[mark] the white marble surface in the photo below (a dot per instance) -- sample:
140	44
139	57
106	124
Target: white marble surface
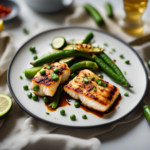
131	136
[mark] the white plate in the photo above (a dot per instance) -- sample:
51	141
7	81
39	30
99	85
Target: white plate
136	75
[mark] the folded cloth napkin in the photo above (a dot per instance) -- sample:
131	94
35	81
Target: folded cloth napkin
20	131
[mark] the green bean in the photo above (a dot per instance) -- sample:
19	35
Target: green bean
146	110
95	14
109	71
57	97
114	67
109	10
83	64
31	72
88	38
58	55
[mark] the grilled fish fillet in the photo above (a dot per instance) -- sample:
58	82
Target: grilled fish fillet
100	100
47	86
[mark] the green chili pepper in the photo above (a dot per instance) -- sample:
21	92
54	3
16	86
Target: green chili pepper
58	55
83	64
94	88
88	38
148	62
109	10
109	71
146	110
114	67
95	14
57	97
31	72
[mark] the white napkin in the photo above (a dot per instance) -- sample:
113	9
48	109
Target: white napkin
20	131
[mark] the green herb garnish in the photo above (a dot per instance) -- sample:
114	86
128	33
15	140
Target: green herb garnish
20	77
125	72
105	44
121	56
100	75
94	89
47	113
113	50
127	62
126	94
25	31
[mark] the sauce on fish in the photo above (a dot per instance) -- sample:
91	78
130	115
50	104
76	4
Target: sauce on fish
65	102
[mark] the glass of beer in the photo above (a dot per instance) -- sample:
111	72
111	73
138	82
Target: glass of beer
132	23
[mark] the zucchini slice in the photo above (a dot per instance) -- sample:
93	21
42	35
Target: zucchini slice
59	42
85	47
66	60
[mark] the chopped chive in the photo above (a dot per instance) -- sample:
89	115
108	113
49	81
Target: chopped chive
92	78
94	89
127	61
20	77
125	72
47	113
126	94
104	84
105	44
121	56
99	82
101	76
113	50
25	31
85	80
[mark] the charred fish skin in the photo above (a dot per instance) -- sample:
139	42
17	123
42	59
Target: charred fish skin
48	86
91	94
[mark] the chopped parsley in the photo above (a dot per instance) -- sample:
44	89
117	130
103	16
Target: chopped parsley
25	31
121	56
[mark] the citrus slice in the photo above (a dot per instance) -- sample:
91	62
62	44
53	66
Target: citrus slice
5	105
1	25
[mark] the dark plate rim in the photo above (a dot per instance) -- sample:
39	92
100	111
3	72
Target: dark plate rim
73	27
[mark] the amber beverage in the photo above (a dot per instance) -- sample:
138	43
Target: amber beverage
134	10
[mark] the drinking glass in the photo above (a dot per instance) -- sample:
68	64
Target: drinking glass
132	23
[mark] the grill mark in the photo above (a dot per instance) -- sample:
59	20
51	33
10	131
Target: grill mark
112	92
109	97
78	90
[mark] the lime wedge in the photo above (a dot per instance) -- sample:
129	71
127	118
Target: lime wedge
1	25
5	105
